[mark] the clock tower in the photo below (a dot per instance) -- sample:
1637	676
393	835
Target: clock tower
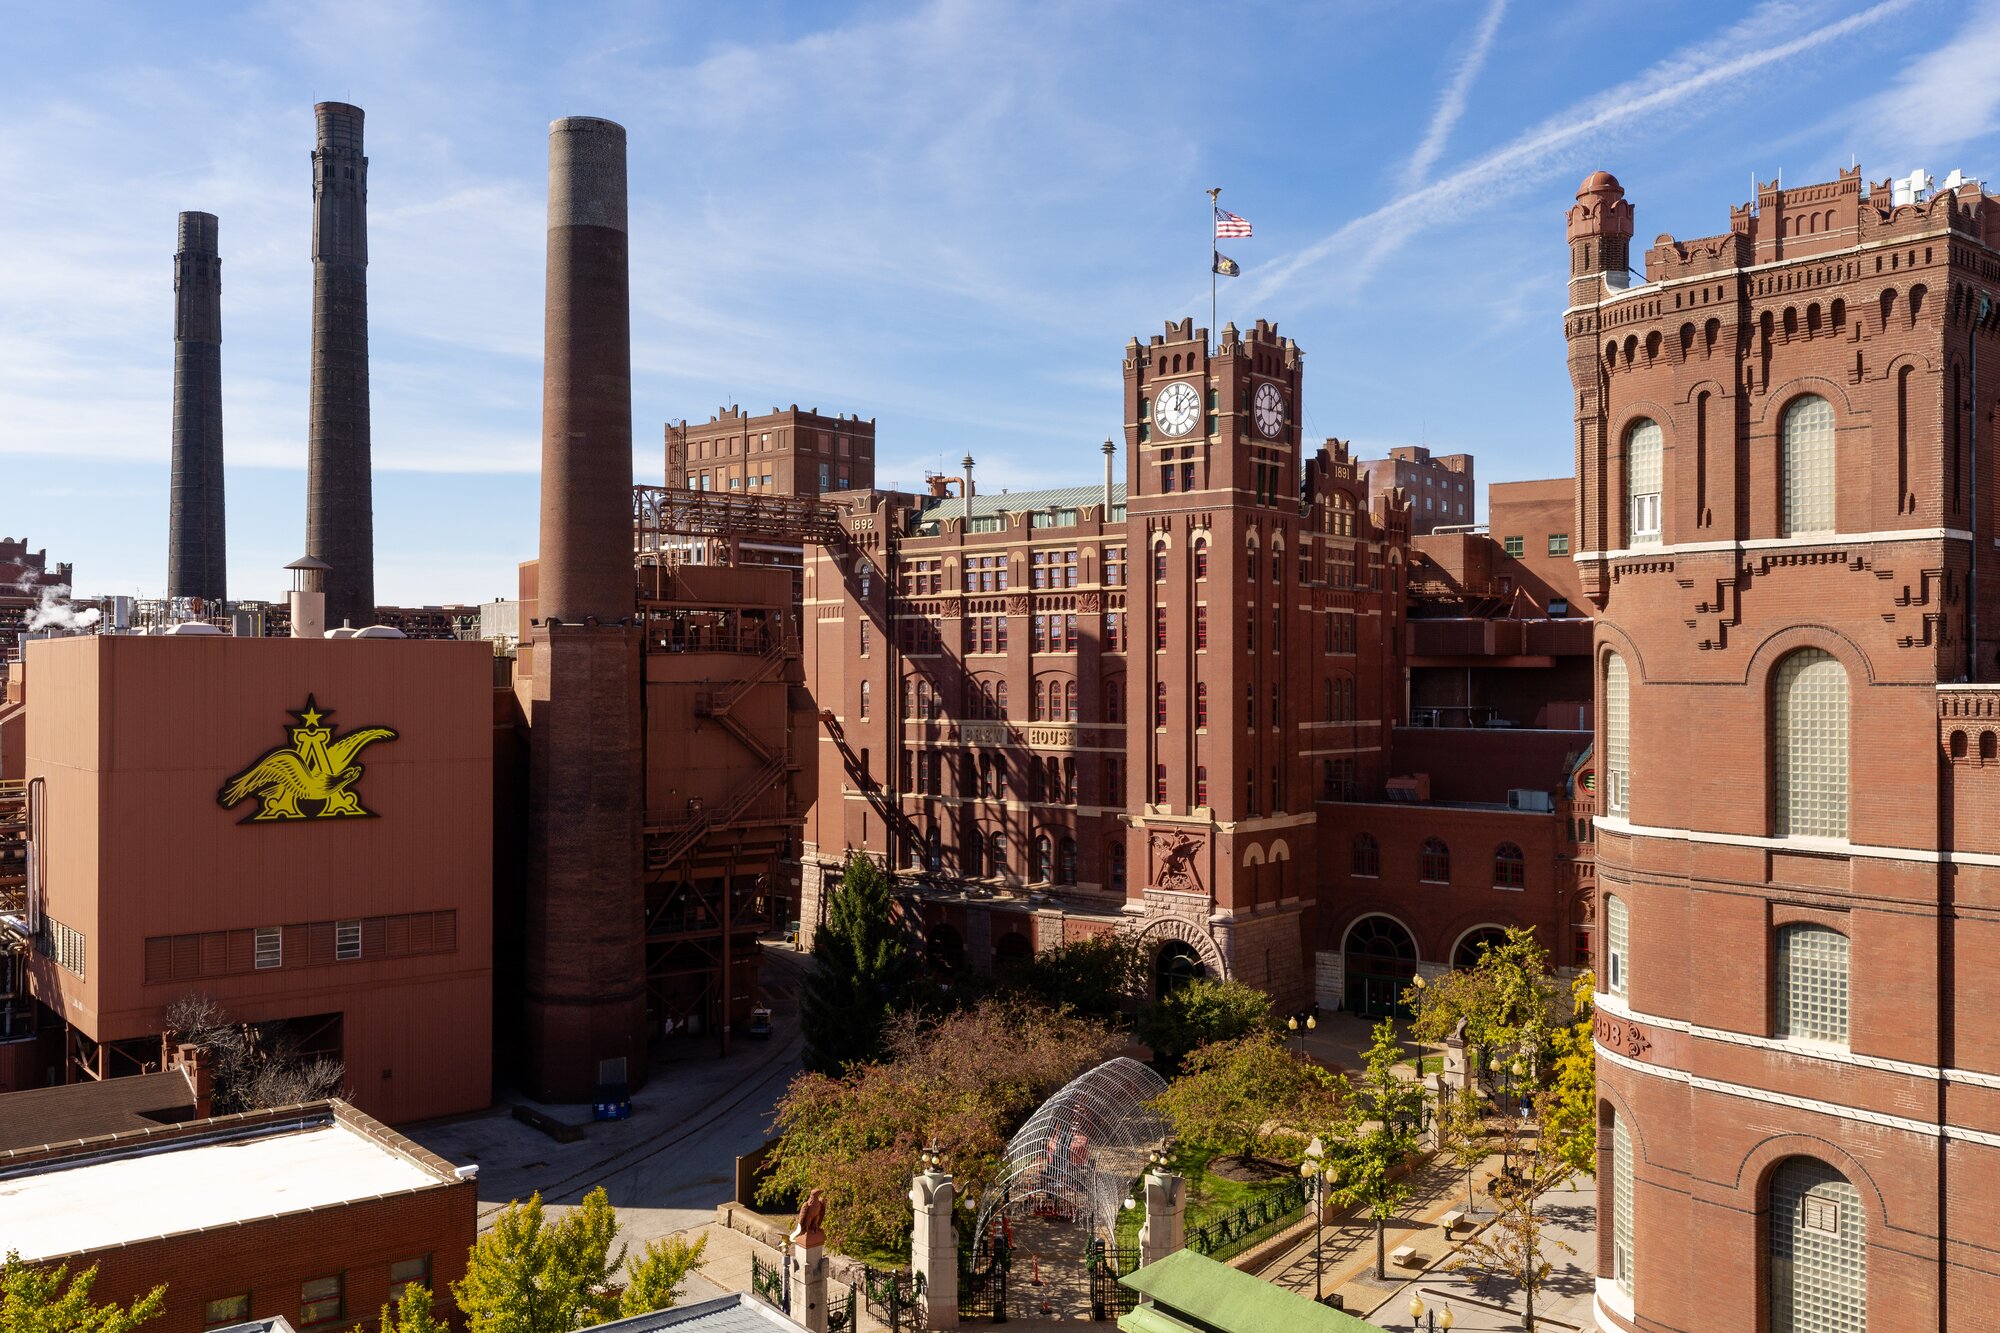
1223	830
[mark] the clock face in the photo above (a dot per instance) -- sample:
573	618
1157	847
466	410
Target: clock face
1177	408
1268	406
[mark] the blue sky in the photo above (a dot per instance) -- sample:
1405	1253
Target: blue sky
947	215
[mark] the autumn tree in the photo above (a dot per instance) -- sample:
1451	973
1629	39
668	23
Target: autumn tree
1094	975
861	965
965	1078
1245	1097
414	1313
1374	1137
659	1273
1516	1247
1568	1108
1201	1012
533	1275
36	1298
1508	999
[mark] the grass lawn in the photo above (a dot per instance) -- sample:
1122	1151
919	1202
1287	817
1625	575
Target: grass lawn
1209	1195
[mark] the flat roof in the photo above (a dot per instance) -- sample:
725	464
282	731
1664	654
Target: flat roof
141	1190
63	1114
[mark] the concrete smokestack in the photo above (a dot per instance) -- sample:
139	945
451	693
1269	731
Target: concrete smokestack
340	506
584	1000
197	563
586	561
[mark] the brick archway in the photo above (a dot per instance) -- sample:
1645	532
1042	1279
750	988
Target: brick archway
1164	929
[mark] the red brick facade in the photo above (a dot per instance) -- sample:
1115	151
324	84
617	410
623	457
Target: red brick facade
1774	479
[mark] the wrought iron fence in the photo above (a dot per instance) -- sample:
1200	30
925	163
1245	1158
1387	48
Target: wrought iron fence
840	1312
1110	1298
982	1288
767	1281
892	1296
1233	1232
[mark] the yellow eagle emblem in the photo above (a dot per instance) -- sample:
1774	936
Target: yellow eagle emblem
315	768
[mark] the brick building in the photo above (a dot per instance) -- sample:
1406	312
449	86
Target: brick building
1440	489
314	1213
24	575
1070	711
1781	437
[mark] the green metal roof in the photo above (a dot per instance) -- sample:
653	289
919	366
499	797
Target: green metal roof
1219	1297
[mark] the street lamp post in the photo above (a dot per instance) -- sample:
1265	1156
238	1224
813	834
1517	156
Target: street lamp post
1298	1025
1313	1168
1440	1318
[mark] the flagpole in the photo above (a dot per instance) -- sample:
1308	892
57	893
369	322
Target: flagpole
1214	256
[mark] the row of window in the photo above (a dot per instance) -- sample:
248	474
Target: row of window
1518	546
1805	473
216	953
984	775
1809	743
322	1300
1510	865
62	943
1052	860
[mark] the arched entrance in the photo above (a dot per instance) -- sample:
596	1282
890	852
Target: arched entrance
1380	959
1012	952
1475	942
1174	966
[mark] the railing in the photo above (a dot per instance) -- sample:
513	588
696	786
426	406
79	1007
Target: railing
982	1291
14	848
1110	1298
661	511
768	1283
1236	1231
667	844
894	1296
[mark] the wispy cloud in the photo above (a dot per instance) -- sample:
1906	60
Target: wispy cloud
1451	105
1770	36
1941	101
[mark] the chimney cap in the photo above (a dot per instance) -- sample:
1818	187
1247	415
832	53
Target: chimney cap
308	562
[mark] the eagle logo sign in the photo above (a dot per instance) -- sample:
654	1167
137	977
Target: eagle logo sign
315	769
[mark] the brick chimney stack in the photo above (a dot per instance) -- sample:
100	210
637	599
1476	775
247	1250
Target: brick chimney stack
197	564
340	505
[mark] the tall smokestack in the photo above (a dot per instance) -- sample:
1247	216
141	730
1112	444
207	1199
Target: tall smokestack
340	513
197	564
584	1001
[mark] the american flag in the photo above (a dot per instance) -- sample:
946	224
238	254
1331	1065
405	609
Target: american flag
1228	224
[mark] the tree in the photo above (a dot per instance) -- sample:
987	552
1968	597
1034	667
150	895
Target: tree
253	1066
1242	1098
1508	999
1515	1245
1095	975
1568	1109
413	1314
965	1078
531	1275
861	966
36	1299
1200	1012
659	1274
1461	1119
1373	1140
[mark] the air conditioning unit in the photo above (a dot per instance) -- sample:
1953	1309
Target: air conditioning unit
1528	798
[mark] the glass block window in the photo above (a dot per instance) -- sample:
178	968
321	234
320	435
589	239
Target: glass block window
1642	481
1808	466
1818	1258
1809	749
1812	983
1621	1205
1616	960
1617	737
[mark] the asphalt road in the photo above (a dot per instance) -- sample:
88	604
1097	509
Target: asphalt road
668	1166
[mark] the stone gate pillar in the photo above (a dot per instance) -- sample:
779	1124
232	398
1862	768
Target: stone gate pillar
1165	1227
934	1246
807	1258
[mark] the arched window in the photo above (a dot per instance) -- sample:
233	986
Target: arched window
1069	701
1808	466
1809	746
867	689
1435	863
1044	863
996	853
1642	481
1201	558
934	850
1114	699
1000	699
1160	704
1475	944
1326	701
1367	856
1066	861
1621	1204
1117	860
1343	515
1818	1250
1617	738
1617	961
969	858
1159	564
1510	867
1812	983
